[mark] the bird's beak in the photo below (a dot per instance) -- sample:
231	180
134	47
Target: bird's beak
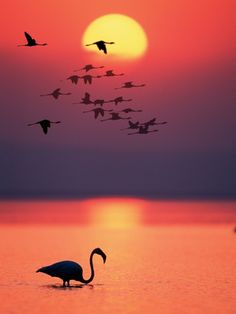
104	257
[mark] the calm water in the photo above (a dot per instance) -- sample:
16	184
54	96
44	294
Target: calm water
162	257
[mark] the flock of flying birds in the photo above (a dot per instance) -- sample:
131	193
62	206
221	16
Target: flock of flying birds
140	128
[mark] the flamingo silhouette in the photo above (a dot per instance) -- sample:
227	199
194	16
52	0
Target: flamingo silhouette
69	270
153	122
115	116
130	85
127	110
88	78
85	100
31	41
143	130
97	112
132	125
89	67
74	79
100	102
111	73
45	124
56	93
119	99
101	44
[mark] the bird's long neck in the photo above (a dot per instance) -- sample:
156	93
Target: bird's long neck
86	281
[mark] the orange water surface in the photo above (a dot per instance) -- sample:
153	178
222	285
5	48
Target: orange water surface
162	257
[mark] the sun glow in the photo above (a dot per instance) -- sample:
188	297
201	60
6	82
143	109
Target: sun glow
128	35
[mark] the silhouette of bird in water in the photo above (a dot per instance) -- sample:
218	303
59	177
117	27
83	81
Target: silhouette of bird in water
116	116
56	93
69	270
119	99
132	125
85	100
130	85
45	124
31	41
101	44
143	130
110	73
88	78
127	110
97	112
74	79
153	122
89	67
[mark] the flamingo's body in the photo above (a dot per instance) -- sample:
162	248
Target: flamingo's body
56	93
101	44
74	79
69	270
115	116
110	73
31	41
143	130
85	100
132	125
130	85
45	124
153	122
89	67
119	99
97	112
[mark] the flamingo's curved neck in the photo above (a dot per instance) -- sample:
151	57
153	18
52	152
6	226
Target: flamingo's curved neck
86	281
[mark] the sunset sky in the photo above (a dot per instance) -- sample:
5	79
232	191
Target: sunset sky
188	72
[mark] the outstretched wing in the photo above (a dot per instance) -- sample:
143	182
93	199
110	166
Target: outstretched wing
29	38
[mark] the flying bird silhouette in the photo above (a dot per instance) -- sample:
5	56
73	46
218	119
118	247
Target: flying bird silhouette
119	99
101	44
130	85
97	112
127	110
85	100
31	41
56	93
153	122
110	73
88	78
100	102
69	270
143	130
115	116
74	79
132	125
45	124
89	67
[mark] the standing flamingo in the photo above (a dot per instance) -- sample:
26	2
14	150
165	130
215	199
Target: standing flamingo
45	124
69	270
101	44
56	93
31	41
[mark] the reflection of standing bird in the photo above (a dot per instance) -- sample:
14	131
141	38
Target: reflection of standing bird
143	130
127	110
45	124
89	67
153	122
31	42
69	270
130	85
132	125
111	73
88	78
119	99
74	79
115	116
101	44
97	112
56	93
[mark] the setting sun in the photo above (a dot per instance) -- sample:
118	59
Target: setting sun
128	35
